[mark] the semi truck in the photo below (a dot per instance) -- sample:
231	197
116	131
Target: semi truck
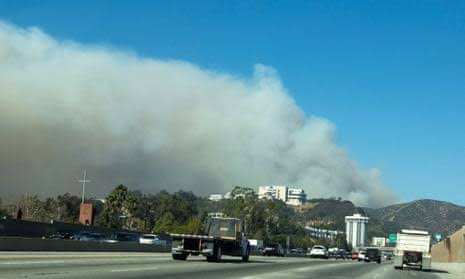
221	236
413	249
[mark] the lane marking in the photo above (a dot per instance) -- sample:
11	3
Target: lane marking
32	262
134	269
305	268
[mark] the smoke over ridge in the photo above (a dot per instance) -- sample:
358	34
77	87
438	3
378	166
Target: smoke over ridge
155	124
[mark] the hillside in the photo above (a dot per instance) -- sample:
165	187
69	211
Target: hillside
431	215
328	213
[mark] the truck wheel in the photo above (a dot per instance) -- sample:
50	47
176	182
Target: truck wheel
218	254
216	257
179	257
245	258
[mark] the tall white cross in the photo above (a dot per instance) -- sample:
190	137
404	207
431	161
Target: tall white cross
84	181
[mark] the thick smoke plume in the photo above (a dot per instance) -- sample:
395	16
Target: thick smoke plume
156	124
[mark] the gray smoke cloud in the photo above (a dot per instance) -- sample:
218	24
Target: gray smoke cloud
156	124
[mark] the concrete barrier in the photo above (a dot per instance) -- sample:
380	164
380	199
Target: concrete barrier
451	249
37	244
25	228
450	267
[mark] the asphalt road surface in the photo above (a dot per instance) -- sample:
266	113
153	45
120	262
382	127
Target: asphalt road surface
160	265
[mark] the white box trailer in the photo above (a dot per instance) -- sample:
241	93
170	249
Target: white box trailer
413	249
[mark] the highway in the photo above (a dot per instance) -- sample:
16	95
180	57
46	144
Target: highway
103	265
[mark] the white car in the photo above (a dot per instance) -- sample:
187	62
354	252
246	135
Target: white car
361	255
319	251
151	239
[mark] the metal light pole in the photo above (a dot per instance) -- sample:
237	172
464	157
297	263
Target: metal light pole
84	181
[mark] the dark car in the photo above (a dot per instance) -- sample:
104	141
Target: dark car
342	254
373	255
297	251
273	250
60	235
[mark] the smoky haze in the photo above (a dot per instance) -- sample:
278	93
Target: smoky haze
157	124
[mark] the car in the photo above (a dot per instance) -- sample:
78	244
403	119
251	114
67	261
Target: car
342	254
274	249
297	251
151	239
373	255
361	255
388	256
319	251
332	252
123	237
60	235
354	256
88	236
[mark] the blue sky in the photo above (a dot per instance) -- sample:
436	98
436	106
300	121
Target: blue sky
389	74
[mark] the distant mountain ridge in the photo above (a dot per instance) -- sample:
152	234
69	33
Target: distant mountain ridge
430	215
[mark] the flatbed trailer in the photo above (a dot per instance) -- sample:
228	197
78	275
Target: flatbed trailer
224	236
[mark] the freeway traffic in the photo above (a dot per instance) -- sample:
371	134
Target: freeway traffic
160	265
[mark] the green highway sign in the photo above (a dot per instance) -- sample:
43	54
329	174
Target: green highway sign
392	238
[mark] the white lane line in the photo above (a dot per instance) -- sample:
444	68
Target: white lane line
32	262
134	269
305	268
18	262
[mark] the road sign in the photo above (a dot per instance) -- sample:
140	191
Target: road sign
438	237
392	238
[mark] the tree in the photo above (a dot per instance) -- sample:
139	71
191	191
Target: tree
68	207
119	209
32	208
146	211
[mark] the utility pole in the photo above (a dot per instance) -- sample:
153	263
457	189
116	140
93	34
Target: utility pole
84	181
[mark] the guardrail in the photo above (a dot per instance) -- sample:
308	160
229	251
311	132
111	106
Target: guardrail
26	228
38	244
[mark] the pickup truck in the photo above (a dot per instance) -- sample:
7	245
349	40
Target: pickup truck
222	236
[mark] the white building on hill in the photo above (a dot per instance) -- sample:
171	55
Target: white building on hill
291	196
215	197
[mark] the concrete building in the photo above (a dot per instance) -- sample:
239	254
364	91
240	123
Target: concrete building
215	197
322	233
356	232
273	192
291	196
378	241
296	196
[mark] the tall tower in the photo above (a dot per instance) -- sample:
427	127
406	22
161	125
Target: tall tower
356	233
